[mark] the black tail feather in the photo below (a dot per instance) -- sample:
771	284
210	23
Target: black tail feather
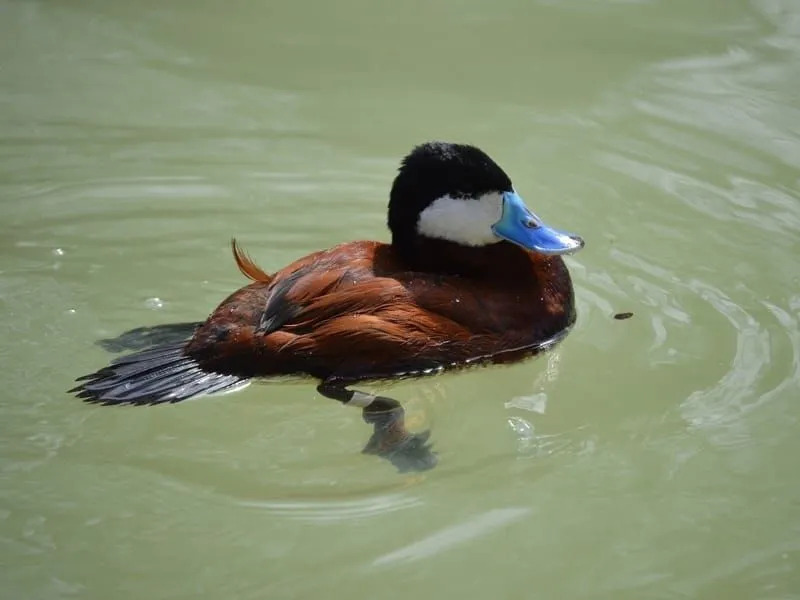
154	376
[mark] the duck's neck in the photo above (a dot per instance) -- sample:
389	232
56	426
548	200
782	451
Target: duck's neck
501	260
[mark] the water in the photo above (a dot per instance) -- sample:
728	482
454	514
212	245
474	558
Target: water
648	458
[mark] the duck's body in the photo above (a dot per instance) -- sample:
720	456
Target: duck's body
471	275
360	311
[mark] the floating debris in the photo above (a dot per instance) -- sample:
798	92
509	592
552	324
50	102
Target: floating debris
623	315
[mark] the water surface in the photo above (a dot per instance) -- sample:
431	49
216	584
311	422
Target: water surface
648	458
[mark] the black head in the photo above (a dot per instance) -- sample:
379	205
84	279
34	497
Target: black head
435	170
455	194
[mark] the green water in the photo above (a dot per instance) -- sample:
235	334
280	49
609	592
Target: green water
650	458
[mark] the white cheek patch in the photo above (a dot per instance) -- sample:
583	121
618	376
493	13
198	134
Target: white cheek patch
464	221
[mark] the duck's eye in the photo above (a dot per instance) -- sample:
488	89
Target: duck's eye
530	223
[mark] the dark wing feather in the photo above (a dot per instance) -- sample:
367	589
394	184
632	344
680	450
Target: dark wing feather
278	310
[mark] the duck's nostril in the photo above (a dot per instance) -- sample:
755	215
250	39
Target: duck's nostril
530	223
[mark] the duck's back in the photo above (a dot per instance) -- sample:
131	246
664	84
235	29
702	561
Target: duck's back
359	310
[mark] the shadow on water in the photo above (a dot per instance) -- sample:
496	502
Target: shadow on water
144	338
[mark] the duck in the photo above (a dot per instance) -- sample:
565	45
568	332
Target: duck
471	276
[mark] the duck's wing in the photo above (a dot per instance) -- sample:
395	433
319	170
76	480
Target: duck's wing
325	317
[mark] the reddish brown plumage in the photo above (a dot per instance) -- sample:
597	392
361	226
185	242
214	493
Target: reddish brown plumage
359	311
365	310
248	268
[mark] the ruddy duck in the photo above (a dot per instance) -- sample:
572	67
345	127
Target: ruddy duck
471	275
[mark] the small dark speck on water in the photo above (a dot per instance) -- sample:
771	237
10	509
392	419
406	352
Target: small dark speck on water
622	316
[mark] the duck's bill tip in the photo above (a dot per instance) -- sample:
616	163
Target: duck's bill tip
546	240
522	227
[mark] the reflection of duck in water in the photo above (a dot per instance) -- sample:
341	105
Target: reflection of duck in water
471	276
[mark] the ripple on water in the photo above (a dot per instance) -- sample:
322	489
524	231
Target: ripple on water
449	537
709	317
707	160
736	390
333	511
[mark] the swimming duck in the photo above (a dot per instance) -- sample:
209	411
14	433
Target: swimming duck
471	275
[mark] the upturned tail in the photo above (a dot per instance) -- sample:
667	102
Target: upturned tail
164	372
246	265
